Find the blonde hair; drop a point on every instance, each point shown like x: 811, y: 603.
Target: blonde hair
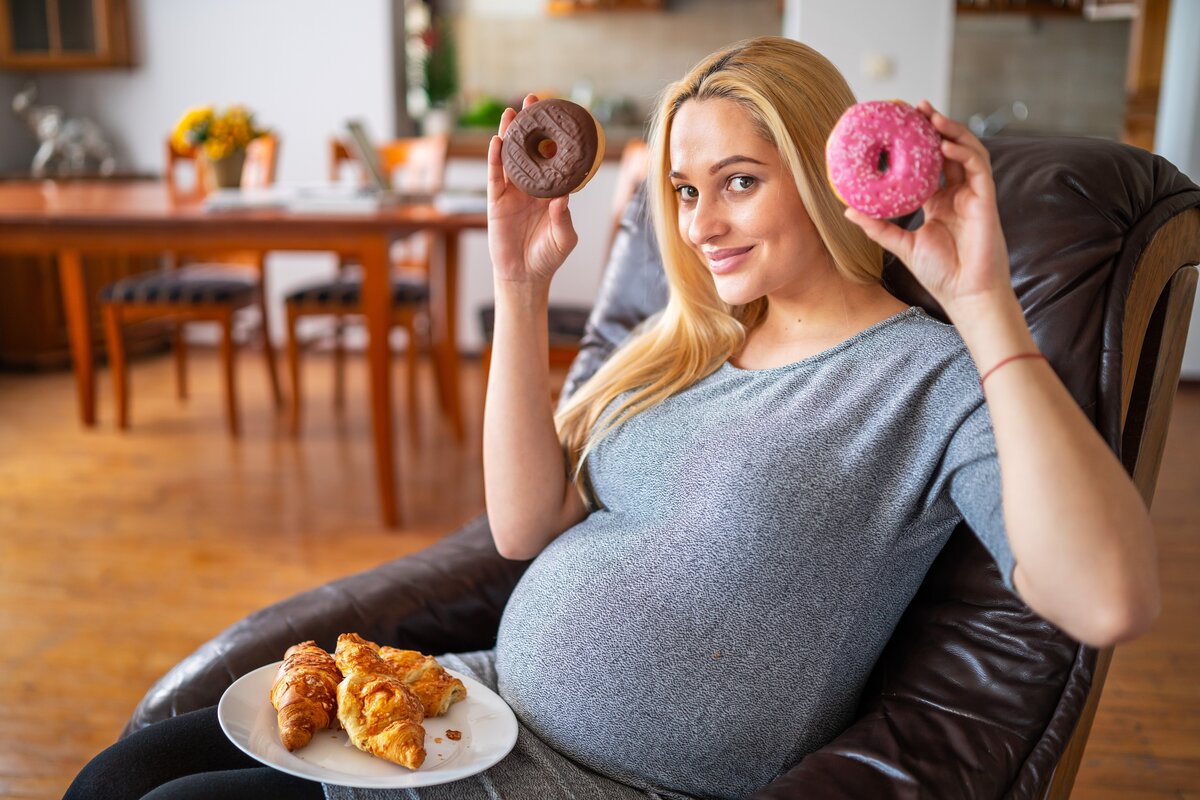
x: 793, y: 96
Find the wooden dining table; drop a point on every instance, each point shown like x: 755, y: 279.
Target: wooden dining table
x: 70, y: 219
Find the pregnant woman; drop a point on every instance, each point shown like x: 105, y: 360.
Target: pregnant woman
x: 728, y: 519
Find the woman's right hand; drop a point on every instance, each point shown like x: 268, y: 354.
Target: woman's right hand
x: 529, y: 238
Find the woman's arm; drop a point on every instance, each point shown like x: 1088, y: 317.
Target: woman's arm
x: 1082, y: 538
x: 1078, y: 528
x: 529, y: 498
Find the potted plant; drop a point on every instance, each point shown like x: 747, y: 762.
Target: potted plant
x: 432, y: 68
x: 221, y: 139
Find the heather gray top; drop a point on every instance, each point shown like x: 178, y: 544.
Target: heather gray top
x: 760, y: 535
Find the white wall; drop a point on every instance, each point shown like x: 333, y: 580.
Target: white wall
x: 890, y: 50
x: 1177, y: 134
x: 304, y: 67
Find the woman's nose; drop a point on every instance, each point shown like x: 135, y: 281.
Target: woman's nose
x: 707, y: 222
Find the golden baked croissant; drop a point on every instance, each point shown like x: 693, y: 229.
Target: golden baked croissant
x: 304, y: 694
x: 356, y: 654
x: 379, y: 712
x: 436, y: 688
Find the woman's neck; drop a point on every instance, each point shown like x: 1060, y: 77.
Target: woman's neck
x: 826, y: 313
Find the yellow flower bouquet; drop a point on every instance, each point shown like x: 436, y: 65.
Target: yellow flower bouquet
x: 218, y: 135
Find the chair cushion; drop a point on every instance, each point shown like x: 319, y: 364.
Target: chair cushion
x: 347, y: 293
x: 181, y: 287
x: 567, y: 323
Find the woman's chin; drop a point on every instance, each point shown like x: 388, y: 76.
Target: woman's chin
x: 734, y: 295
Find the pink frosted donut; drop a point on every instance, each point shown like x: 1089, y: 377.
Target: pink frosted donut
x: 884, y: 158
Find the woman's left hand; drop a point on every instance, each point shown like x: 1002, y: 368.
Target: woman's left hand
x: 959, y: 253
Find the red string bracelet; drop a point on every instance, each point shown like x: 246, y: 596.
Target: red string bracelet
x: 1011, y: 358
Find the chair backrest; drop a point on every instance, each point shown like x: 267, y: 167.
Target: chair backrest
x: 262, y: 160
x: 416, y: 164
x: 258, y: 171
x: 976, y: 696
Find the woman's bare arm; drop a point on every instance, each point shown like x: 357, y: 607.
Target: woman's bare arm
x: 1082, y: 538
x: 1081, y: 535
x: 529, y: 498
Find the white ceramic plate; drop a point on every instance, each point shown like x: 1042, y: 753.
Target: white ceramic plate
x: 487, y: 724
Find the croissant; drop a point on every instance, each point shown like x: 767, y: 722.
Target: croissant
x: 380, y: 713
x: 434, y: 687
x: 304, y: 694
x: 356, y: 654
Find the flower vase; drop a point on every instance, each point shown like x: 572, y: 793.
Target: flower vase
x: 226, y: 172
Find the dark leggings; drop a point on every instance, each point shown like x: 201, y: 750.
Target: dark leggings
x: 184, y: 758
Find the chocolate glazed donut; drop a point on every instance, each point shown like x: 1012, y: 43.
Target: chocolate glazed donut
x: 552, y: 148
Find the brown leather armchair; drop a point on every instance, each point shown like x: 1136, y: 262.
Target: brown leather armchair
x: 975, y: 696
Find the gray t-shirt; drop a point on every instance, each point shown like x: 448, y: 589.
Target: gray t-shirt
x: 760, y: 535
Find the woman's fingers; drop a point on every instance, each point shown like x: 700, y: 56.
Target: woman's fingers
x: 886, y: 234
x: 967, y: 160
x: 955, y: 174
x: 560, y: 223
x: 505, y: 120
x: 948, y: 128
x: 510, y: 114
x: 495, y: 170
x: 974, y: 164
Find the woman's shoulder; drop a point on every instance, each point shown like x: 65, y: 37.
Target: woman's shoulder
x: 936, y: 350
x: 918, y: 326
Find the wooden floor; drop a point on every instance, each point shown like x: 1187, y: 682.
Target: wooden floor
x: 121, y: 553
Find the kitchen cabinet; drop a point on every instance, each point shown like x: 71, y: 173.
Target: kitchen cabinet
x: 1088, y: 9
x: 64, y: 34
x: 563, y: 7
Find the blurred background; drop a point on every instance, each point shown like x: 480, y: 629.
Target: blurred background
x: 1055, y: 67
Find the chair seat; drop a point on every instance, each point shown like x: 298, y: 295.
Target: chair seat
x: 181, y: 287
x: 566, y: 323
x: 347, y: 293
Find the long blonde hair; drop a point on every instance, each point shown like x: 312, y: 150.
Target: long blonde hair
x: 794, y: 96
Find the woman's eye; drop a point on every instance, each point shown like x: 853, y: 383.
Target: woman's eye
x: 741, y: 183
x: 686, y: 192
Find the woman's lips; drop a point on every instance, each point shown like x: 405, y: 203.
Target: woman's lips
x: 727, y: 259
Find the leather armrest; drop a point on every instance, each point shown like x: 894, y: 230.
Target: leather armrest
x: 958, y: 702
x: 446, y: 598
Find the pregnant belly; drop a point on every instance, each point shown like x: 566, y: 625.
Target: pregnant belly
x: 665, y: 671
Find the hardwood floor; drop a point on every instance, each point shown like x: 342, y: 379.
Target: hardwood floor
x: 121, y: 553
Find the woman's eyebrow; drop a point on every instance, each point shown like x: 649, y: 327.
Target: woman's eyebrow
x: 720, y: 165
x: 725, y: 162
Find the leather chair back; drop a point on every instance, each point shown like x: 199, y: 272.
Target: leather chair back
x: 975, y: 694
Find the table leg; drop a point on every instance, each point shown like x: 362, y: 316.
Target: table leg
x: 377, y: 311
x: 443, y: 301
x: 79, y: 332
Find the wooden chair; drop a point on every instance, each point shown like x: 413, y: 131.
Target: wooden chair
x: 416, y: 165
x: 567, y: 322
x: 188, y: 290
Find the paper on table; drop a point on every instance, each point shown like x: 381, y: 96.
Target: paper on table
x: 461, y: 202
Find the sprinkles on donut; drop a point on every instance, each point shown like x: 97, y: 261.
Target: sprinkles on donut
x: 884, y: 158
x: 552, y: 148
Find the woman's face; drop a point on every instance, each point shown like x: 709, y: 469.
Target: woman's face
x: 739, y: 208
